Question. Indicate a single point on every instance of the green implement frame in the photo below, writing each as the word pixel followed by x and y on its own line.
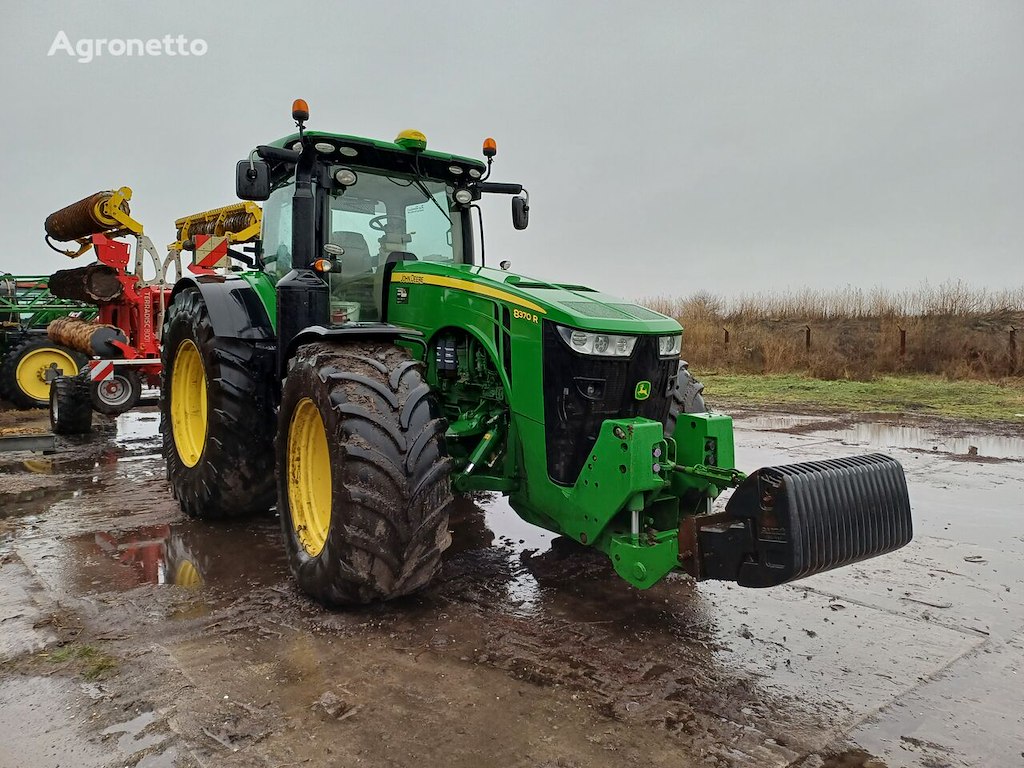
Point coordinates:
pixel 26 303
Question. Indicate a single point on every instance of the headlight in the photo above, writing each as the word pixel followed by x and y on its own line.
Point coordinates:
pixel 602 344
pixel 670 346
pixel 463 196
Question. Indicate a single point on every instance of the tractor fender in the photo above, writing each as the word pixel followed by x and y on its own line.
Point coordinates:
pixel 236 311
pixel 354 332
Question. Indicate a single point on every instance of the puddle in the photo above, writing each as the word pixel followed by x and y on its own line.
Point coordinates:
pixel 42 728
pixel 130 740
pixel 920 438
pixel 778 422
pixel 188 555
pixel 40 465
pixel 33 501
pixel 137 426
pixel 882 435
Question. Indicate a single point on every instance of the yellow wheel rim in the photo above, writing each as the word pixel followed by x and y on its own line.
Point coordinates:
pixel 188 403
pixel 188 576
pixel 31 371
pixel 309 477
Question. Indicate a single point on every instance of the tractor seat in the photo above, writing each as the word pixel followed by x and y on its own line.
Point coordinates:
pixel 355 262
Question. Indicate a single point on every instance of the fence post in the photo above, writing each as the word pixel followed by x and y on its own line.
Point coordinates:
pixel 807 337
pixel 903 342
pixel 726 336
pixel 1013 349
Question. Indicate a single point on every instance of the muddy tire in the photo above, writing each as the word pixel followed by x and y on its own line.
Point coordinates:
pixel 118 394
pixel 216 415
pixel 364 488
pixel 687 397
pixel 22 373
pixel 70 407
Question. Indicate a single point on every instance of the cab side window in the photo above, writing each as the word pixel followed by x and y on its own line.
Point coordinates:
pixel 277 232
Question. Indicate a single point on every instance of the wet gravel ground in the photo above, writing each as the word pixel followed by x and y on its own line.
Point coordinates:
pixel 130 635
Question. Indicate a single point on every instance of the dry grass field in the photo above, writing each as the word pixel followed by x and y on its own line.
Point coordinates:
pixel 952 330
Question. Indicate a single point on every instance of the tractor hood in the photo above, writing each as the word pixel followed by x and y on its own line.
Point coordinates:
pixel 573 305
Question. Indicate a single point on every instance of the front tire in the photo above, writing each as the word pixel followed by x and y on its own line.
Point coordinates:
pixel 216 415
pixel 70 409
pixel 364 487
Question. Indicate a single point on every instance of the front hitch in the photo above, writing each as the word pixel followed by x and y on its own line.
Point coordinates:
pixel 645 500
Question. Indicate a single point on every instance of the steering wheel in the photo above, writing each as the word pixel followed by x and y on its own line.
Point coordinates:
pixel 378 222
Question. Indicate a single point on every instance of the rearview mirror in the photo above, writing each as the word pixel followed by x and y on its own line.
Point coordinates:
pixel 520 212
pixel 252 180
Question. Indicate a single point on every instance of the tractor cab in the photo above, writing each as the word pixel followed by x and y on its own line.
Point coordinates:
pixel 369 204
pixel 371 216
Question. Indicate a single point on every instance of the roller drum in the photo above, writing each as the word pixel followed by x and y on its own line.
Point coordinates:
pixel 234 222
pixel 95 283
pixel 82 219
pixel 83 336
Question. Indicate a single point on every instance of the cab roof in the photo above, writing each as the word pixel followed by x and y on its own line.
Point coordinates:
pixel 373 152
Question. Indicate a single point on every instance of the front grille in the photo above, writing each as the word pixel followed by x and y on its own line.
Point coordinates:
pixel 582 391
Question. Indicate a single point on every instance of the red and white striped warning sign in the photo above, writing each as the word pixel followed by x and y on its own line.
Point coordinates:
pixel 211 252
pixel 101 370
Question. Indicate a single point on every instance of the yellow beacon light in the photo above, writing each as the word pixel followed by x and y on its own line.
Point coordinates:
pixel 411 139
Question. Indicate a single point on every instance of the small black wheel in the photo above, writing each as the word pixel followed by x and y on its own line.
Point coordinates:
pixel 70 406
pixel 117 394
pixel 365 484
pixel 687 397
pixel 216 415
pixel 27 368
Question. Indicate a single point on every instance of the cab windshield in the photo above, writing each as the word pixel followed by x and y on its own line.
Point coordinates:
pixel 376 218
pixel 381 217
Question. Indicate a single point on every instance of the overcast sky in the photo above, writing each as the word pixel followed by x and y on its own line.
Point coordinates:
pixel 667 147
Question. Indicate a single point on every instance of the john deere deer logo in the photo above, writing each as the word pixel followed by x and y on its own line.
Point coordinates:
pixel 643 390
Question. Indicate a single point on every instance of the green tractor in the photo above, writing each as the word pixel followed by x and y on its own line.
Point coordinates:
pixel 366 365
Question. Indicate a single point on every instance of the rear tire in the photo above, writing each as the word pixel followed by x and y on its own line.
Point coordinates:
pixel 70 407
pixel 118 394
pixel 216 417
pixel 687 397
pixel 22 374
pixel 364 488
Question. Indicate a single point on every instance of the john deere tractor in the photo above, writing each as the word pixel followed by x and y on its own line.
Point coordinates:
pixel 362 364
